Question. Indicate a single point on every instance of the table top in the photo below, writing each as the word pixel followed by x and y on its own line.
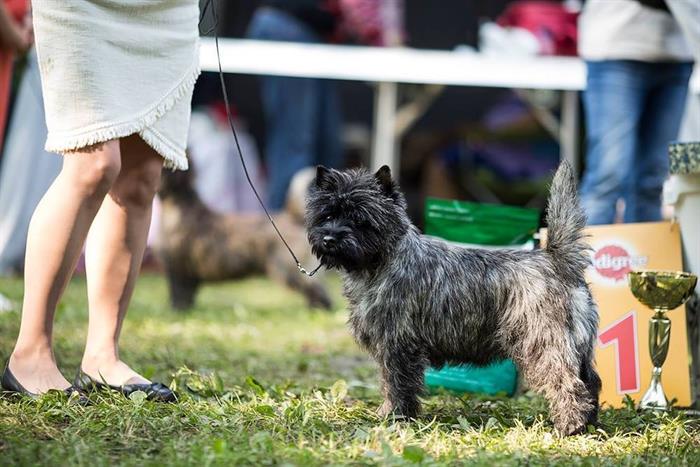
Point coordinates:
pixel 399 65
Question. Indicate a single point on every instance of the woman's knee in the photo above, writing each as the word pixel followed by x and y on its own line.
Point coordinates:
pixel 137 184
pixel 95 169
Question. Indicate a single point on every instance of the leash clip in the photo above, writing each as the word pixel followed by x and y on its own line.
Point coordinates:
pixel 305 272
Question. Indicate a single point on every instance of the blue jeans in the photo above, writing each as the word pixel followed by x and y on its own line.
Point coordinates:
pixel 302 115
pixel 633 110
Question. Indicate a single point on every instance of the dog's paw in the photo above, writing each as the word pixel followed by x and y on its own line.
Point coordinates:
pixel 388 411
pixel 571 429
pixel 385 410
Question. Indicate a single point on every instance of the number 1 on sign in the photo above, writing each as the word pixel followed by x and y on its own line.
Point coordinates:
pixel 623 333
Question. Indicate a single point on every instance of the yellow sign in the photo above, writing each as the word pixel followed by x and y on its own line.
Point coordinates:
pixel 622 351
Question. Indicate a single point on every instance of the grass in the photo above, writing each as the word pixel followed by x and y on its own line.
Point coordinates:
pixel 266 381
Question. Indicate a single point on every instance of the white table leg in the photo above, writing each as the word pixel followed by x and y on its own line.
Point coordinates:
pixel 569 129
pixel 384 144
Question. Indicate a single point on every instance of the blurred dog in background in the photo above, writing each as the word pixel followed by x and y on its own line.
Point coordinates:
pixel 197 245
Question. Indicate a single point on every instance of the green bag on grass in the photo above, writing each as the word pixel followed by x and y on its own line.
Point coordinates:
pixel 482 226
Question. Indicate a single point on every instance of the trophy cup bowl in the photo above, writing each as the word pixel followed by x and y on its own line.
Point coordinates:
pixel 661 291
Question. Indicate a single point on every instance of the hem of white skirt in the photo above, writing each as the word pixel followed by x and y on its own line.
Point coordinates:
pixel 174 156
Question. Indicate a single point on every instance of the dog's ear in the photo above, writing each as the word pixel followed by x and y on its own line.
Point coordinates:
pixel 322 176
pixel 383 176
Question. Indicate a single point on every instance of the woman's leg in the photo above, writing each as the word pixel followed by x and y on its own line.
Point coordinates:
pixel 56 236
pixel 114 251
pixel 291 107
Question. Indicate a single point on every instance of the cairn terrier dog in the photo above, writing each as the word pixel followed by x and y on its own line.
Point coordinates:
pixel 197 245
pixel 417 302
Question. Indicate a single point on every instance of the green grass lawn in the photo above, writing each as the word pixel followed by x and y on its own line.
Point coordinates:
pixel 263 380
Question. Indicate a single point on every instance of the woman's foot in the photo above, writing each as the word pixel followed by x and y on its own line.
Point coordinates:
pixel 111 371
pixel 36 371
pixel 117 375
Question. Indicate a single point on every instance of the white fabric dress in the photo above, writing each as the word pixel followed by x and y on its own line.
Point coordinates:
pixel 113 68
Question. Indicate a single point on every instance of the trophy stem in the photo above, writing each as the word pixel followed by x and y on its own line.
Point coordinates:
pixel 659 339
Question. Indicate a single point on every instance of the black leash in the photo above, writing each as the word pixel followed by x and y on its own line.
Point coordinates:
pixel 235 135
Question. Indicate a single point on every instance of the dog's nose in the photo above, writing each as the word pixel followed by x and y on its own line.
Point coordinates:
pixel 329 241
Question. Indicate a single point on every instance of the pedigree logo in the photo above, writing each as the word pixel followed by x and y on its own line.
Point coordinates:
pixel 612 262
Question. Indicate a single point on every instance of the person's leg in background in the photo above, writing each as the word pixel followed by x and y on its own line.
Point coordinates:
pixel 291 113
pixel 613 103
pixel 114 251
pixel 291 107
pixel 26 170
pixel 15 36
pixel 56 236
pixel 329 143
pixel 659 126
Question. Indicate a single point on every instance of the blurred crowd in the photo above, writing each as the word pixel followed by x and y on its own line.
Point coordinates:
pixel 639 56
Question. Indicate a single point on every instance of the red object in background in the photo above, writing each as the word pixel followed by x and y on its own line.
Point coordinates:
pixel 623 333
pixel 371 22
pixel 613 262
pixel 17 9
pixel 554 26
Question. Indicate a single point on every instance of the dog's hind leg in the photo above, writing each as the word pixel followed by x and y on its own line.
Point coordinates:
pixel 584 329
pixel 285 272
pixel 552 376
pixel 551 367
pixel 590 378
pixel 317 296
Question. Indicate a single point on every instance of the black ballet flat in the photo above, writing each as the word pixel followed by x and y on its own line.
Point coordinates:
pixel 10 384
pixel 157 392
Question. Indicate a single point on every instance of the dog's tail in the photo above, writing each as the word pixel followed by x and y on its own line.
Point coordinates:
pixel 565 222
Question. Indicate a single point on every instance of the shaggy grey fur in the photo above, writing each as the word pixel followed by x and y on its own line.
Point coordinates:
pixel 417 302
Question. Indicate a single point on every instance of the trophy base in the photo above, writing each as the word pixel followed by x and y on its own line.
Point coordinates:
pixel 654 398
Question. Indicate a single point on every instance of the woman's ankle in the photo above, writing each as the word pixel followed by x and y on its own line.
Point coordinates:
pixel 39 351
pixel 110 370
pixel 36 370
pixel 94 360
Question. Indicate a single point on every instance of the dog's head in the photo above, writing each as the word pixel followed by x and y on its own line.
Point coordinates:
pixel 354 218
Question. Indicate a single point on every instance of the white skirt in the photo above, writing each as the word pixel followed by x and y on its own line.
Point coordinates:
pixel 112 68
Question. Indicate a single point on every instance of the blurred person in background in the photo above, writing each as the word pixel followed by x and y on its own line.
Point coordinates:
pixel 27 170
pixel 687 14
pixel 638 70
pixel 15 37
pixel 303 116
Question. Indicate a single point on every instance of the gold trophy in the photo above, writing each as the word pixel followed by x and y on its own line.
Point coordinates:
pixel 661 291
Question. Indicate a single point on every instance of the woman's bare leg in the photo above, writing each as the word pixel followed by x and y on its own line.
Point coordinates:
pixel 56 236
pixel 114 252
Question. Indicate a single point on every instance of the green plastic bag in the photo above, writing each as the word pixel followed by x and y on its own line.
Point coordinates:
pixel 483 226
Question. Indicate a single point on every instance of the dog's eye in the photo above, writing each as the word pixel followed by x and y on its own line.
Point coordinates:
pixel 329 217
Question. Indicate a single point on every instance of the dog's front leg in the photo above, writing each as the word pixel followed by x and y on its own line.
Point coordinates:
pixel 182 289
pixel 401 382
